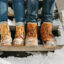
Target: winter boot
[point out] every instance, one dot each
(6, 39)
(31, 38)
(46, 35)
(19, 36)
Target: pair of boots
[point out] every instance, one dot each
(6, 39)
(31, 37)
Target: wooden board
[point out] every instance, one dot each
(26, 48)
(60, 7)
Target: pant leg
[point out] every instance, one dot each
(32, 10)
(48, 10)
(18, 6)
(3, 10)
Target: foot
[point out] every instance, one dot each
(6, 39)
(19, 36)
(31, 38)
(46, 35)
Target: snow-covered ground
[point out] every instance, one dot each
(51, 58)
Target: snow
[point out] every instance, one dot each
(60, 39)
(51, 58)
(63, 15)
(11, 22)
(29, 60)
(58, 26)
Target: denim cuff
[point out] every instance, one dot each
(19, 23)
(3, 22)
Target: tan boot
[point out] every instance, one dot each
(46, 35)
(19, 36)
(31, 38)
(6, 39)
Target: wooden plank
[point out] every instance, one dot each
(60, 7)
(26, 48)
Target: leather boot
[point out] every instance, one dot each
(46, 35)
(31, 38)
(6, 39)
(19, 36)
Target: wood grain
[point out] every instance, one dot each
(28, 48)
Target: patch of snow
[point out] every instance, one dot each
(11, 23)
(60, 38)
(55, 58)
(2, 61)
(56, 24)
(28, 60)
(51, 58)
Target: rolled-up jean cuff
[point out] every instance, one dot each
(31, 20)
(47, 20)
(19, 23)
(19, 19)
(3, 22)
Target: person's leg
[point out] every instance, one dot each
(32, 10)
(5, 31)
(46, 27)
(18, 6)
(3, 10)
(48, 10)
(32, 16)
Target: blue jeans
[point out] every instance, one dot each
(18, 6)
(3, 10)
(47, 10)
(32, 10)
